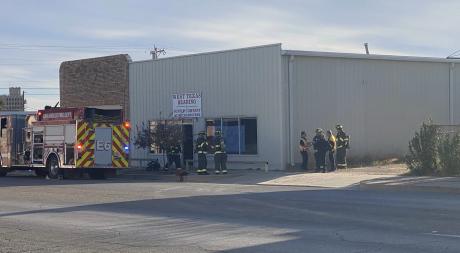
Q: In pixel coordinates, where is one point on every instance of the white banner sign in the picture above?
(187, 105)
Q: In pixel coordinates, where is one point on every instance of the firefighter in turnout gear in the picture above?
(303, 148)
(220, 156)
(202, 149)
(343, 143)
(174, 153)
(332, 149)
(321, 146)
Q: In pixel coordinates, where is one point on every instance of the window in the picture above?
(240, 134)
(248, 135)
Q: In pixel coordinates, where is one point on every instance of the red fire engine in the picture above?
(65, 141)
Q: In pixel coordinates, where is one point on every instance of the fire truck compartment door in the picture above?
(103, 147)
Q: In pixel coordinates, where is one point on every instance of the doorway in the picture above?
(187, 142)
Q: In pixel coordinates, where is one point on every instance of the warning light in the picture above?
(79, 146)
(126, 148)
(40, 113)
(126, 124)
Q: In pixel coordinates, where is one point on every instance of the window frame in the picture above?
(238, 118)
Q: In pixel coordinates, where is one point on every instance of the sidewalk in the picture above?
(426, 184)
(388, 177)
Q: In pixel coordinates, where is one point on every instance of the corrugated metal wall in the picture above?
(456, 91)
(380, 102)
(243, 82)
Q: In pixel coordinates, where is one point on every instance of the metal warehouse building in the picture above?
(263, 97)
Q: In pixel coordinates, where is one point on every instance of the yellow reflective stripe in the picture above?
(116, 163)
(84, 156)
(117, 142)
(125, 131)
(124, 162)
(119, 135)
(81, 127)
(88, 164)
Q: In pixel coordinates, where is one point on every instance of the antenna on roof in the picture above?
(366, 46)
(157, 52)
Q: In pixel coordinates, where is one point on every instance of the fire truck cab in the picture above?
(65, 142)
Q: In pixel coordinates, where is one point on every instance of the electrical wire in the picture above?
(34, 88)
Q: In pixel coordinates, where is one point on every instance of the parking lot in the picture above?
(119, 215)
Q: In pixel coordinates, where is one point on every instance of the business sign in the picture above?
(187, 105)
(57, 115)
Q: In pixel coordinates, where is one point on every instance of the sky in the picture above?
(36, 36)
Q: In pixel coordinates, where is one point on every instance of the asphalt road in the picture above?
(38, 215)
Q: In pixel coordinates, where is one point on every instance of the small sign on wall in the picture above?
(187, 105)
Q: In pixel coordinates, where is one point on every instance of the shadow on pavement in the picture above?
(13, 181)
(315, 218)
(233, 177)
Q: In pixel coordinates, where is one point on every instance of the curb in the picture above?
(408, 188)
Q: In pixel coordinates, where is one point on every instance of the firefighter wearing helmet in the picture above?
(220, 156)
(343, 143)
(321, 146)
(202, 149)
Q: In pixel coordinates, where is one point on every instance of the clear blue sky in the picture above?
(36, 36)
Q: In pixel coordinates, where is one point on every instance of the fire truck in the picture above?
(65, 142)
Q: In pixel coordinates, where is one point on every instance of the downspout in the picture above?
(290, 108)
(451, 93)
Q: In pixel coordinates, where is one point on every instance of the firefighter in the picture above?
(169, 160)
(321, 146)
(220, 156)
(343, 143)
(202, 149)
(332, 148)
(175, 155)
(303, 148)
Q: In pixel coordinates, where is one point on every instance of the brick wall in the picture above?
(95, 82)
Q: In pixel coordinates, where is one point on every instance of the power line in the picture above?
(38, 88)
(24, 46)
(27, 81)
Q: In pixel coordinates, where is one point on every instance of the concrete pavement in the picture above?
(385, 177)
(39, 215)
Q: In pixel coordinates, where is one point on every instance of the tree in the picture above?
(159, 136)
(449, 155)
(423, 150)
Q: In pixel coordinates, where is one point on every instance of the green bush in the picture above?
(432, 152)
(423, 156)
(449, 155)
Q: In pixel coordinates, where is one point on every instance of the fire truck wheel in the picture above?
(41, 172)
(53, 167)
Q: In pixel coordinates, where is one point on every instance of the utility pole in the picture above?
(366, 47)
(157, 52)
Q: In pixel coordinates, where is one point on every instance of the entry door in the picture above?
(187, 142)
(103, 147)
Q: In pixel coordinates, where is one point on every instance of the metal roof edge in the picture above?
(206, 53)
(366, 56)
